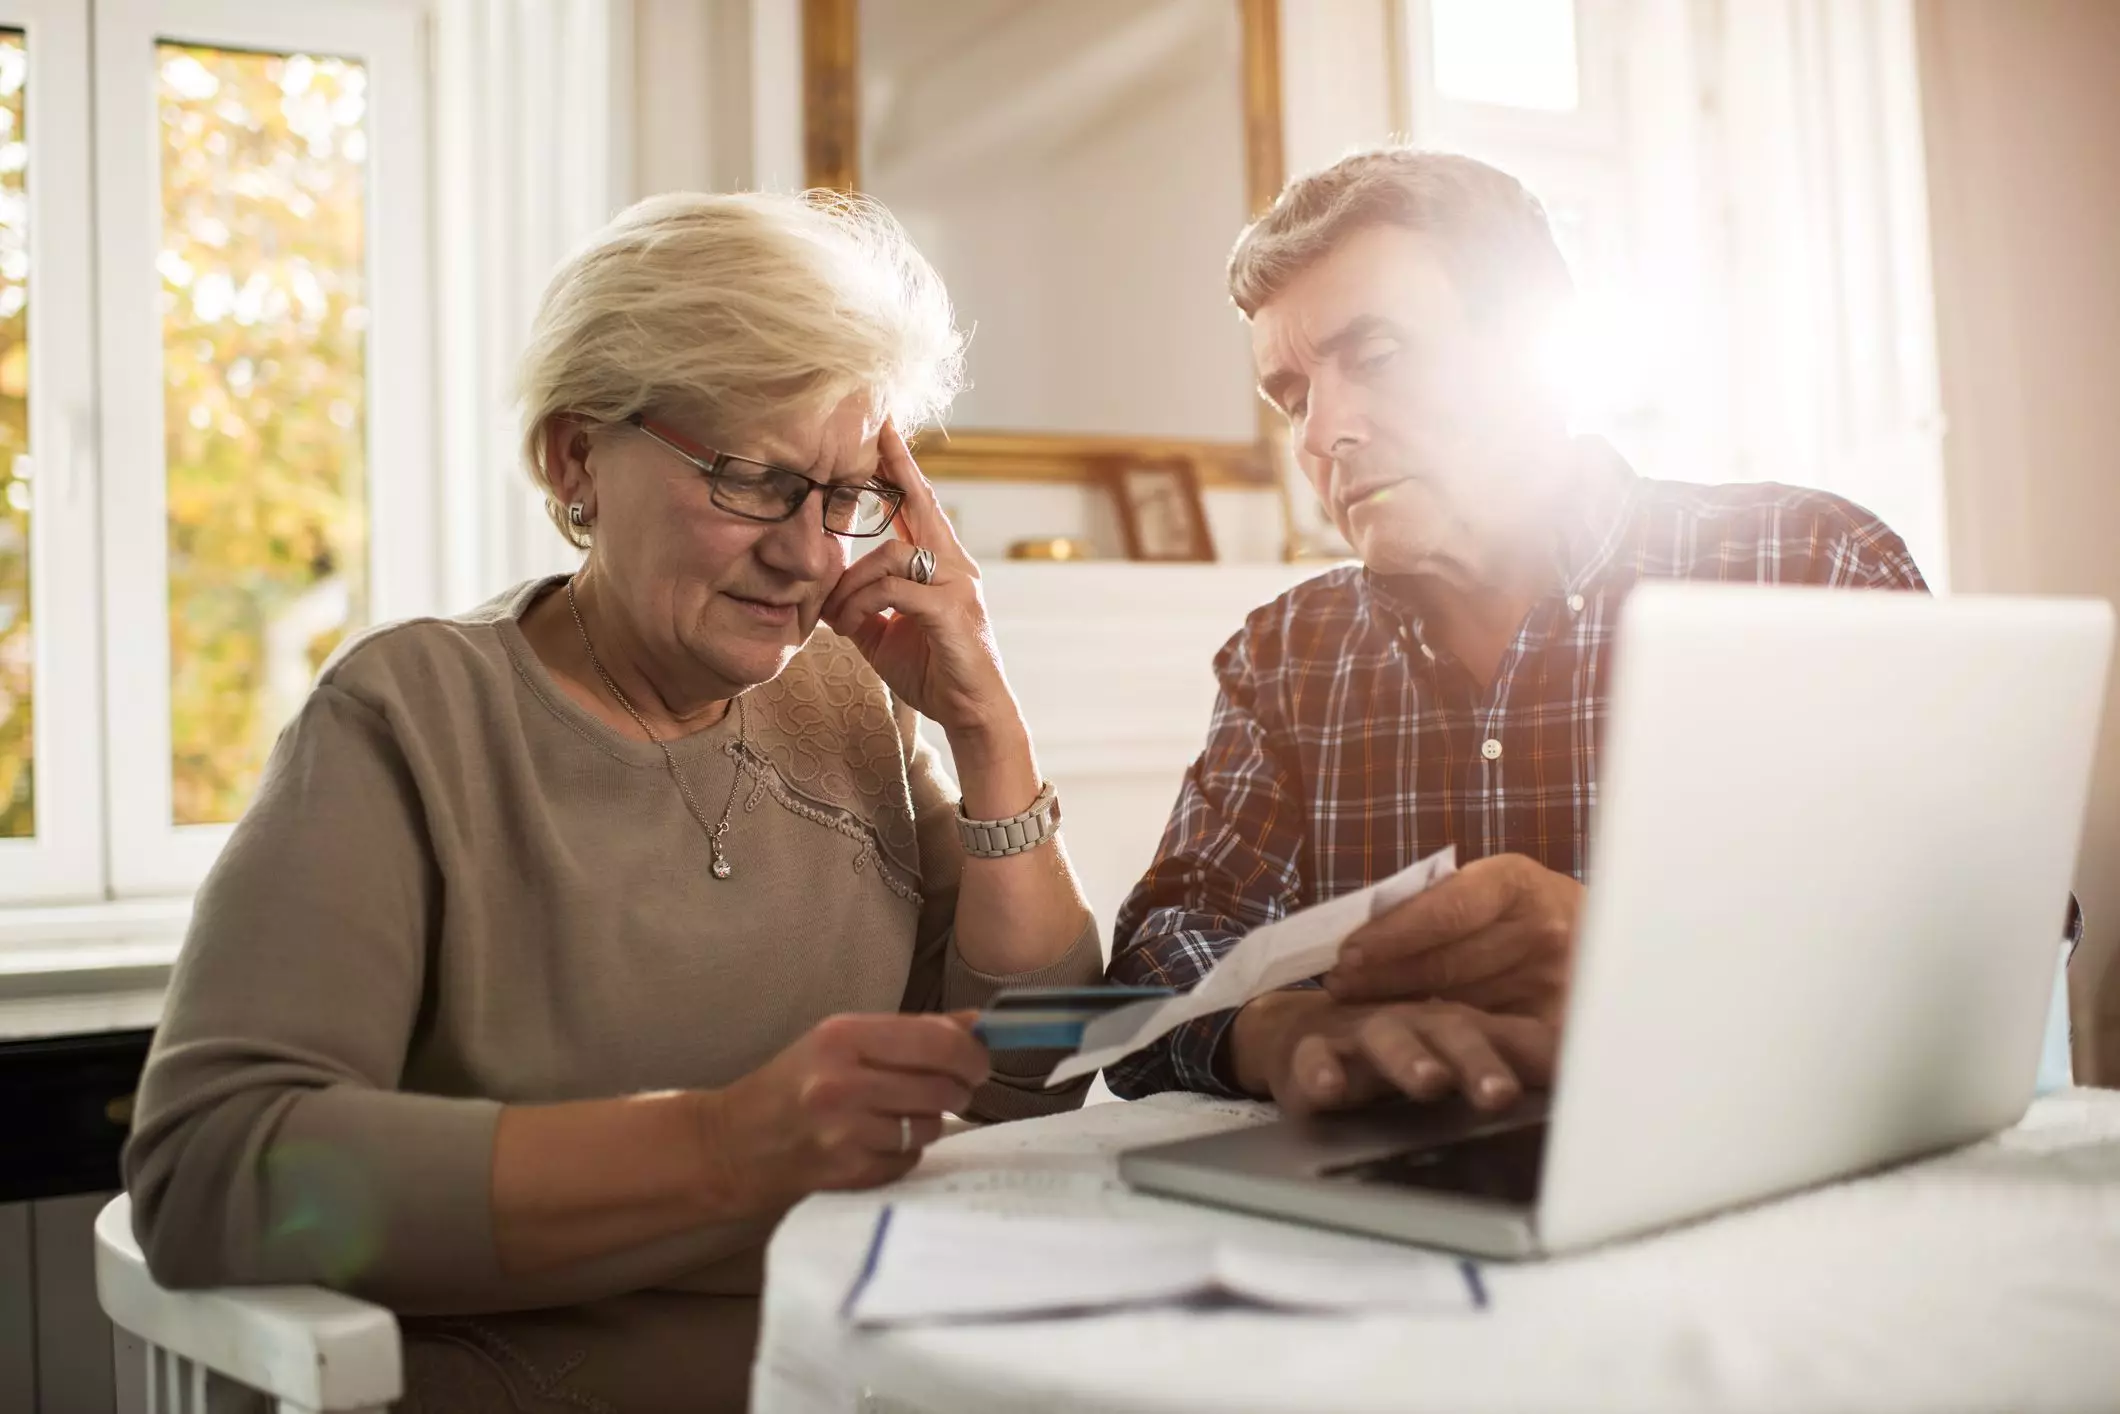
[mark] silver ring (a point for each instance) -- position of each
(922, 569)
(905, 1135)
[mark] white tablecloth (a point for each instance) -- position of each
(1986, 1279)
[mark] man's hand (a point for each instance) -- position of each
(1498, 935)
(1308, 1052)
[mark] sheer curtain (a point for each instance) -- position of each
(533, 153)
(1817, 123)
(1738, 185)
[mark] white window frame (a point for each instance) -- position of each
(148, 854)
(65, 859)
(1589, 157)
(1594, 127)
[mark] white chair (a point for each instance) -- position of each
(295, 1349)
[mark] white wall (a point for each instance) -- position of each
(1113, 666)
(692, 94)
(1336, 75)
(2023, 120)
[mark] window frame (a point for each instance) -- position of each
(1589, 159)
(64, 860)
(1593, 129)
(148, 855)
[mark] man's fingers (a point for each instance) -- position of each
(1512, 992)
(1530, 1046)
(1472, 899)
(1393, 1045)
(1379, 974)
(1316, 1078)
(1482, 1074)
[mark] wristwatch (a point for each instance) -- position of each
(1019, 834)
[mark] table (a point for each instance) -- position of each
(1985, 1279)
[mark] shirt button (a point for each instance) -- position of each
(1491, 748)
(1575, 603)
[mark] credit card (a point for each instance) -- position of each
(1051, 1018)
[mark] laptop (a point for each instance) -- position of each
(1830, 865)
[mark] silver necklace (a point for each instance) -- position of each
(715, 833)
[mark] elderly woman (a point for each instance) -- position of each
(567, 943)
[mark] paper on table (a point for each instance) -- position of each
(1303, 944)
(932, 1262)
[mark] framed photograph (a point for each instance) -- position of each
(1307, 529)
(1161, 514)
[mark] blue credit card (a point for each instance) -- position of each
(1051, 1018)
(1007, 1034)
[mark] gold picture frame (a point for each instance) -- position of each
(831, 43)
(1161, 514)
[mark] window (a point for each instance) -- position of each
(1537, 87)
(264, 320)
(1738, 190)
(51, 807)
(204, 499)
(18, 648)
(1512, 53)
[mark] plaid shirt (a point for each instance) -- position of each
(1343, 747)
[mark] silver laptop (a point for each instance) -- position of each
(1830, 870)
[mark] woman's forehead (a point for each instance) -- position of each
(835, 443)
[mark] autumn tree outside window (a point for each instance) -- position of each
(247, 454)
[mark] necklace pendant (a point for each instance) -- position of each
(721, 865)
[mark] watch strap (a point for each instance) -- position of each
(1018, 834)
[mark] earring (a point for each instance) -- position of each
(575, 517)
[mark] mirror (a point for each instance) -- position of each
(1077, 173)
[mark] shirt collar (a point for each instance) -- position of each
(1598, 514)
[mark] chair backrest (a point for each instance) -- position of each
(295, 1349)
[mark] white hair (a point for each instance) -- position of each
(743, 310)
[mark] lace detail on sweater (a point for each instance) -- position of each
(826, 747)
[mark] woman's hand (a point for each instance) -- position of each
(850, 1105)
(930, 643)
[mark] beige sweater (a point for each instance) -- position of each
(456, 890)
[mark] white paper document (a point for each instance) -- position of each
(1302, 945)
(931, 1262)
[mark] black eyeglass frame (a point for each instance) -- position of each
(714, 466)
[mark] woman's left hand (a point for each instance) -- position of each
(930, 643)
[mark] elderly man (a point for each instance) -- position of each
(1449, 690)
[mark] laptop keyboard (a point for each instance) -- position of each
(1501, 1168)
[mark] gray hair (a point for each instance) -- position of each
(741, 309)
(1490, 233)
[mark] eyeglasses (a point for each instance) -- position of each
(761, 491)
